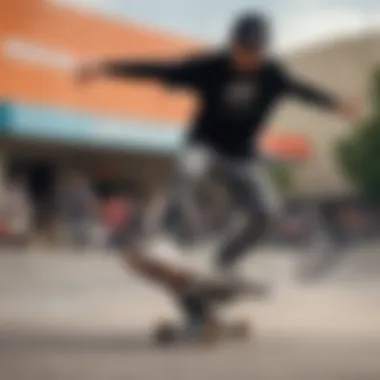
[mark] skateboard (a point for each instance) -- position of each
(167, 333)
(216, 293)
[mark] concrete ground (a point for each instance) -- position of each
(79, 316)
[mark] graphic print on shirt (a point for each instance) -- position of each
(239, 95)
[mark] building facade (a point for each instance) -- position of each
(343, 67)
(50, 125)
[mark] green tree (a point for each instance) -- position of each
(359, 154)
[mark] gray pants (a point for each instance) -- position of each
(246, 182)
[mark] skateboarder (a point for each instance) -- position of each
(238, 88)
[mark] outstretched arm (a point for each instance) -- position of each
(185, 72)
(311, 94)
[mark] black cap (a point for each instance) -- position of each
(251, 30)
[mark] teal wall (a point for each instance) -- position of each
(4, 116)
(27, 121)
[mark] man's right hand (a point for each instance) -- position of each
(350, 110)
(88, 72)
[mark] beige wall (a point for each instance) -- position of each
(342, 67)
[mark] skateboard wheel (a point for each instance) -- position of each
(164, 333)
(241, 330)
(211, 333)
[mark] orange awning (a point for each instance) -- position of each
(286, 146)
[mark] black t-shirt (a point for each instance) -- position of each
(234, 105)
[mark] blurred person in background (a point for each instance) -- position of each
(117, 217)
(79, 210)
(238, 88)
(16, 212)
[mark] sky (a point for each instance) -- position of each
(297, 22)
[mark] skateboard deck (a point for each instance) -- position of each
(220, 291)
(167, 333)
